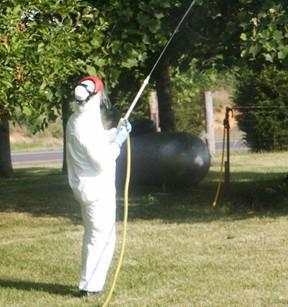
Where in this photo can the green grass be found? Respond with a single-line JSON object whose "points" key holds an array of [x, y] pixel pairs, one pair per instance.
{"points": [[39, 145], [180, 251]]}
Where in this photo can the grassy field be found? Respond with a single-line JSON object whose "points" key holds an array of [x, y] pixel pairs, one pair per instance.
{"points": [[180, 251]]}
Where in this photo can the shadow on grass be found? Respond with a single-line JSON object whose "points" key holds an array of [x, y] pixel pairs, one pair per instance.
{"points": [[56, 289], [39, 192], [248, 194], [45, 192]]}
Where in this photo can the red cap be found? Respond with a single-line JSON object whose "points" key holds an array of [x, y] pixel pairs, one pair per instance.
{"points": [[99, 86]]}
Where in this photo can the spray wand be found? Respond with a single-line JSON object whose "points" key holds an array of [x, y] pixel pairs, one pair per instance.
{"points": [[123, 122]]}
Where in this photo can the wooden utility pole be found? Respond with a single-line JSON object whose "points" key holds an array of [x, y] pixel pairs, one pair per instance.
{"points": [[210, 123], [154, 110]]}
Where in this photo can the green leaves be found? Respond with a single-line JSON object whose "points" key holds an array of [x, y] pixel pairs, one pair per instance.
{"points": [[47, 47], [91, 70], [61, 40], [283, 52], [264, 101], [57, 41], [265, 35], [129, 63]]}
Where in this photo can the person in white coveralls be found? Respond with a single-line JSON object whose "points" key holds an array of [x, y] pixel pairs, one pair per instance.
{"points": [[91, 160]]}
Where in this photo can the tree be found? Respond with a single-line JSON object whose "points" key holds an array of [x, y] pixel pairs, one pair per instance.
{"points": [[42, 51], [11, 74], [262, 100], [5, 158], [265, 33], [138, 30], [39, 53], [263, 43]]}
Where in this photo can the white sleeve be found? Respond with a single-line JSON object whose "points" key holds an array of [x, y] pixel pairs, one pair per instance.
{"points": [[111, 133], [115, 148]]}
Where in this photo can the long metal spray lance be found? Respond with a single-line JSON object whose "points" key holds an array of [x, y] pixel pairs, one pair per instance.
{"points": [[146, 81]]}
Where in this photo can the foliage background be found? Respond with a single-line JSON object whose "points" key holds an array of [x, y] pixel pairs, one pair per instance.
{"points": [[262, 100]]}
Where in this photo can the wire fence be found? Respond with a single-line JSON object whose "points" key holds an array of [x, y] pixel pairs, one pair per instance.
{"points": [[264, 128], [257, 137]]}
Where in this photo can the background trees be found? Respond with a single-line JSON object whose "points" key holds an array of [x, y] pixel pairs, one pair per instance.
{"points": [[39, 52], [265, 33], [45, 46], [262, 100], [261, 92]]}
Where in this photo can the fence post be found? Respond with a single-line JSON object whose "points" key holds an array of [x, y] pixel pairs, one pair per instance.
{"points": [[210, 123], [154, 110]]}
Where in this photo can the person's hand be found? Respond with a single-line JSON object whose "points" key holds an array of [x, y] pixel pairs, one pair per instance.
{"points": [[123, 130], [124, 124]]}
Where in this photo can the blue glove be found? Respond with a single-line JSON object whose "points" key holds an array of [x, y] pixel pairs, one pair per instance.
{"points": [[124, 123], [123, 130]]}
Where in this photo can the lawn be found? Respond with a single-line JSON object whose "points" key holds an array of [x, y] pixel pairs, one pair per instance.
{"points": [[180, 251]]}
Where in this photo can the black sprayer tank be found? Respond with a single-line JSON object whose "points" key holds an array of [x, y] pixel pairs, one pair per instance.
{"points": [[176, 158]]}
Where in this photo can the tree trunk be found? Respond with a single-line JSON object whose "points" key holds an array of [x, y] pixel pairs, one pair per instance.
{"points": [[163, 88], [66, 111], [5, 152]]}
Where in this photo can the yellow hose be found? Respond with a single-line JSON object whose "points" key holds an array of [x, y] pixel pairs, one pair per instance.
{"points": [[221, 173], [126, 199]]}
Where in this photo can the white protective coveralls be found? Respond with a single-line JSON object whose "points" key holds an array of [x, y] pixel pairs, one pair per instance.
{"points": [[91, 161]]}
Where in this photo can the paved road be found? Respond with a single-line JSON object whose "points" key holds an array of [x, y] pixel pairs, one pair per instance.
{"points": [[41, 157], [52, 157]]}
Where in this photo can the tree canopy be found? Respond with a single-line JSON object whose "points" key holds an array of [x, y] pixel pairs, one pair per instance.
{"points": [[39, 52], [265, 32], [45, 46]]}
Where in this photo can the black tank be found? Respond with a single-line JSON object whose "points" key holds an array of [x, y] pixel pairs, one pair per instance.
{"points": [[176, 158]]}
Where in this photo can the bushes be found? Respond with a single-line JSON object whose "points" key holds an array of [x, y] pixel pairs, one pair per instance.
{"points": [[262, 99]]}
